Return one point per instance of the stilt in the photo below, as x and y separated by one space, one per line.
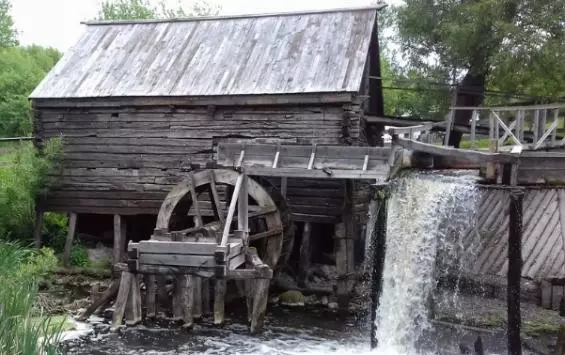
205 297
133 314
188 301
514 271
162 295
343 247
560 346
151 290
120 238
305 255
69 241
178 297
37 230
249 291
378 246
260 298
121 300
219 298
103 299
197 297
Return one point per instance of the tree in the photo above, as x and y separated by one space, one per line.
144 9
21 70
8 34
484 43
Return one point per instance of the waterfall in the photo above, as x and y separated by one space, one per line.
427 214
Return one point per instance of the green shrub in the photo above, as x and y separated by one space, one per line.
22 330
79 256
54 230
25 178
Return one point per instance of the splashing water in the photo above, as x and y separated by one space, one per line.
426 216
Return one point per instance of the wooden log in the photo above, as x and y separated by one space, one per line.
179 297
197 297
121 300
514 271
151 290
133 314
120 238
378 246
188 300
70 238
546 289
162 295
305 255
37 228
219 299
260 298
205 296
341 253
103 299
249 294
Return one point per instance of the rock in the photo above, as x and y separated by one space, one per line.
325 300
333 305
312 300
102 328
292 298
274 300
100 254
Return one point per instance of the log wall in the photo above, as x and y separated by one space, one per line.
125 160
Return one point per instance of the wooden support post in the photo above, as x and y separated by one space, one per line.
219 297
197 296
260 298
133 314
205 297
120 238
178 297
378 247
69 241
162 295
37 229
560 346
514 271
345 262
249 292
305 255
188 298
121 300
103 299
151 287
492 146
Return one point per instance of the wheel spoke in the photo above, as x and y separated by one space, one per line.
194 197
213 191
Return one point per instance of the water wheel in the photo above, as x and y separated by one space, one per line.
201 202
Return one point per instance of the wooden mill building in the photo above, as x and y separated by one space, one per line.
140 103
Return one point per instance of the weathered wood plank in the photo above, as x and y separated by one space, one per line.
69 241
188 248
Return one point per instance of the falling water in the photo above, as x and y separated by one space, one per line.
426 218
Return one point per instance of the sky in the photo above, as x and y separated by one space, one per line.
56 23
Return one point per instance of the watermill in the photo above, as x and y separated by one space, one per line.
223 225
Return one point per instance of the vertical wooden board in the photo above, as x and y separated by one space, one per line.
162 295
178 297
133 315
205 296
556 296
69 240
305 254
151 287
37 228
260 298
119 238
219 299
546 289
121 300
196 291
188 300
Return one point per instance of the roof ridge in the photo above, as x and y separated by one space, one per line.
375 7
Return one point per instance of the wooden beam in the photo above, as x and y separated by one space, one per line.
514 271
37 228
378 247
379 173
231 209
69 242
470 155
305 255
120 238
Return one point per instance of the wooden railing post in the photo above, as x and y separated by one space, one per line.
514 271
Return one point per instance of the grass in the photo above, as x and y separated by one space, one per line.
24 330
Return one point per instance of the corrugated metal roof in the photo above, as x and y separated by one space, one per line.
270 54
543 238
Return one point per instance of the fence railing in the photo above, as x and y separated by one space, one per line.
508 126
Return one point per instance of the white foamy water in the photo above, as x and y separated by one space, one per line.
426 216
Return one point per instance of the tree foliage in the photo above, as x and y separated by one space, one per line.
145 9
21 70
507 45
8 34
